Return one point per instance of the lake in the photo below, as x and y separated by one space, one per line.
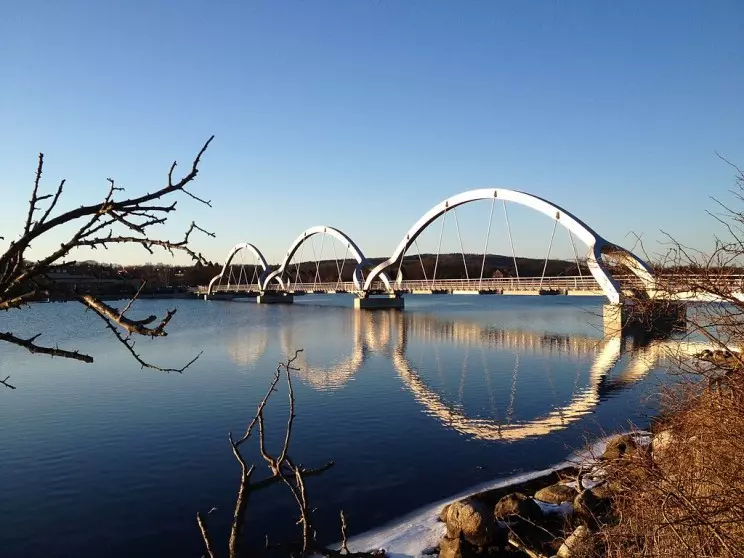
413 406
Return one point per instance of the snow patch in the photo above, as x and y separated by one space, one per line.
414 535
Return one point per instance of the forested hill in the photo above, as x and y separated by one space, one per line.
93 277
448 266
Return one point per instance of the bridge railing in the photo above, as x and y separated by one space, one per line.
492 284
504 283
566 283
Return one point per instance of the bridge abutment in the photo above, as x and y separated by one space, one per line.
647 317
379 302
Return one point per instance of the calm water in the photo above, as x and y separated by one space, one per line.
413 406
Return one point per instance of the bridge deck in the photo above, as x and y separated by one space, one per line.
569 285
524 285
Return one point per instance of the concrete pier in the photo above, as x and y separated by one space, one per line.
379 302
219 296
662 317
274 298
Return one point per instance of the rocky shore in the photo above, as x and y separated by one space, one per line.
553 515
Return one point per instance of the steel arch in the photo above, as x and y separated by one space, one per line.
595 243
341 237
237 248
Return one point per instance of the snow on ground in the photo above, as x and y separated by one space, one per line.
414 534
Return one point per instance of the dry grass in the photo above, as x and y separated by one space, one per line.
686 497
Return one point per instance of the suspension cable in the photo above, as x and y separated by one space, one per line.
255 271
420 259
462 250
511 241
242 273
485 248
576 255
439 248
317 261
230 276
343 263
335 259
550 246
299 262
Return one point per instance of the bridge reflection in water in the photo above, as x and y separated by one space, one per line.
390 333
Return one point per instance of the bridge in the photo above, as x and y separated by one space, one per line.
613 271
566 285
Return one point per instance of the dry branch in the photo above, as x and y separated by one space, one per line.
32 347
6 384
284 471
22 280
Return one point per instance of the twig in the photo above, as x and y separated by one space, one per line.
131 300
6 384
34 195
344 542
205 535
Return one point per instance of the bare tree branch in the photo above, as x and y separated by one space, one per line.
38 349
205 535
282 470
128 342
22 281
6 384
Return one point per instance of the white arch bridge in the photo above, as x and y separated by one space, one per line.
286 280
613 270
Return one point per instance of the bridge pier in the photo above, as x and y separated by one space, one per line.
275 298
649 317
219 296
379 302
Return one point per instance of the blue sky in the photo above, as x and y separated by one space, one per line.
363 115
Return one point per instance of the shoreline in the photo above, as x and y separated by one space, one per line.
418 533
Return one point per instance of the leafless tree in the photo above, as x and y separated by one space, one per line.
683 497
115 220
282 471
712 276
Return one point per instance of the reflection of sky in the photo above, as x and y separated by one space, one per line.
85 441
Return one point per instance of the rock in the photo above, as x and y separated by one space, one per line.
473 520
722 358
622 446
458 548
602 491
556 493
590 506
450 548
516 504
661 443
576 544
443 514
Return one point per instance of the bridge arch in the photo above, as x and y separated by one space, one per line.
597 246
237 248
343 238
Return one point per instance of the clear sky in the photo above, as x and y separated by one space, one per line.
363 115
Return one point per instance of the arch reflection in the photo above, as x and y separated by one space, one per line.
247 347
389 334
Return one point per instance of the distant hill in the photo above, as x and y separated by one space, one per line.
448 266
